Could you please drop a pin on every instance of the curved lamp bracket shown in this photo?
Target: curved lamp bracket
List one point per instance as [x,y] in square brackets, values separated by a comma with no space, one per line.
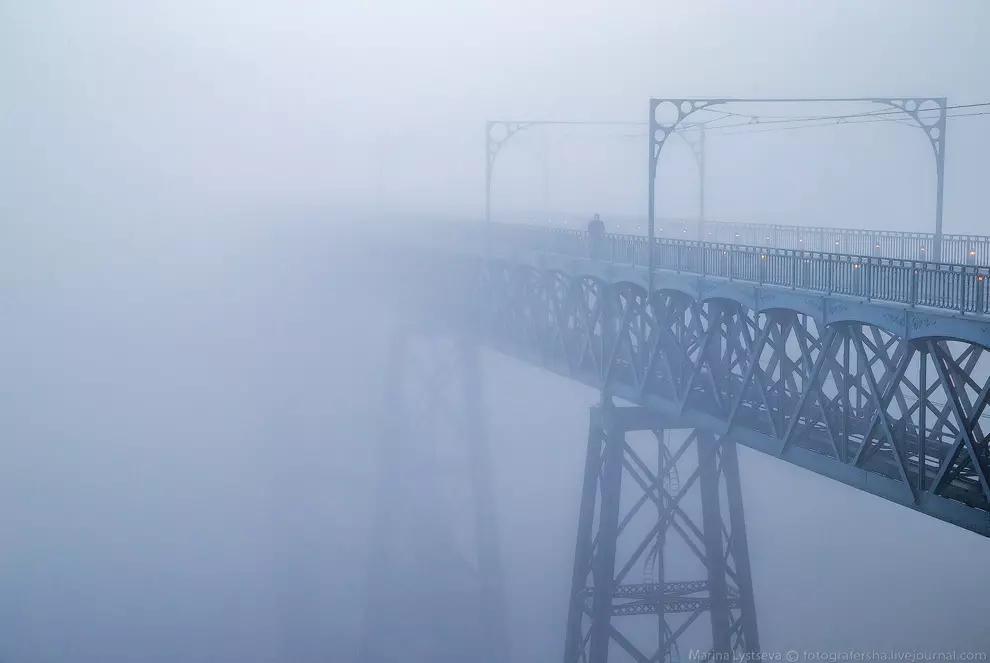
[666,115]
[498,134]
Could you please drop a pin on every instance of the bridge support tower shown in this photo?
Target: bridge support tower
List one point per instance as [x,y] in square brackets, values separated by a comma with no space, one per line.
[670,513]
[434,585]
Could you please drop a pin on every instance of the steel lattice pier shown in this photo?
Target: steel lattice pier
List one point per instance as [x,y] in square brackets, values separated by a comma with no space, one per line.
[640,514]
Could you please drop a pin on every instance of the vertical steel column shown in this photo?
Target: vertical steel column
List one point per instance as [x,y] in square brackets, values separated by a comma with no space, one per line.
[714,549]
[739,549]
[608,532]
[651,210]
[938,143]
[663,510]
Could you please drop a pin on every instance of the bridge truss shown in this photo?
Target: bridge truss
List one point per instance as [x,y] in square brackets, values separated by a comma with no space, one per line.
[855,375]
[882,399]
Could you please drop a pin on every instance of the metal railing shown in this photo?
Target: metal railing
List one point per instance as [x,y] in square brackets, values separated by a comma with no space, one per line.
[956,249]
[949,286]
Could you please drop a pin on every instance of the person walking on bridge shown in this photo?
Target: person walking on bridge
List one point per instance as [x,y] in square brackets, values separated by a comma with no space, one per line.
[596,236]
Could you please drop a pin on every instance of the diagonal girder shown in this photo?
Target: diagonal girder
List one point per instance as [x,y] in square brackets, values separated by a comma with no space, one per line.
[836,399]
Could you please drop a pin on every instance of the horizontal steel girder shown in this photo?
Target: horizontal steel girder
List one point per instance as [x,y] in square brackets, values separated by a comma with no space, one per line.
[651,599]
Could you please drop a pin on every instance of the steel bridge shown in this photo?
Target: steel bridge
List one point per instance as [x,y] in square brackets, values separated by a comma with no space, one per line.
[868,366]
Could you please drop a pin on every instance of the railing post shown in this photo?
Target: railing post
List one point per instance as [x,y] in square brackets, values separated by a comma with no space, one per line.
[763,265]
[980,294]
[962,290]
[915,276]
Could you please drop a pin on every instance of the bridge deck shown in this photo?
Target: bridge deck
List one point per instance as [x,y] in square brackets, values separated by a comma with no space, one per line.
[953,287]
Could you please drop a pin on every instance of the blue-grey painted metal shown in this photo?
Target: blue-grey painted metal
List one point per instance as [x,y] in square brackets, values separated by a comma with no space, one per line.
[872,371]
[601,590]
[951,287]
[538,298]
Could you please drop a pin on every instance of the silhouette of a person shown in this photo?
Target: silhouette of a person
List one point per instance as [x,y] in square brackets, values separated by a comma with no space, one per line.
[596,233]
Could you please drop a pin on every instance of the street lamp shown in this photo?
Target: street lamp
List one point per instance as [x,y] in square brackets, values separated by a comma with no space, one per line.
[660,131]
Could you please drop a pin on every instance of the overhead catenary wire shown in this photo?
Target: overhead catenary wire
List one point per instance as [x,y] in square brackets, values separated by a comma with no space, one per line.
[892,111]
[818,121]
[832,122]
[752,120]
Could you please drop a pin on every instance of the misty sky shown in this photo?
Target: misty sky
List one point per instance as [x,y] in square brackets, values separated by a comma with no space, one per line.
[184,105]
[184,463]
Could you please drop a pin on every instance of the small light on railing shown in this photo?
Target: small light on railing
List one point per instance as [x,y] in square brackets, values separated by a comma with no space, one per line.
[856,266]
[801,240]
[768,238]
[723,252]
[972,253]
[763,256]
[737,234]
[922,248]
[979,278]
[877,246]
[709,232]
[836,242]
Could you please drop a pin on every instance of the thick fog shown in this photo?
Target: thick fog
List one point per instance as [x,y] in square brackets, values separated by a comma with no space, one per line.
[192,388]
